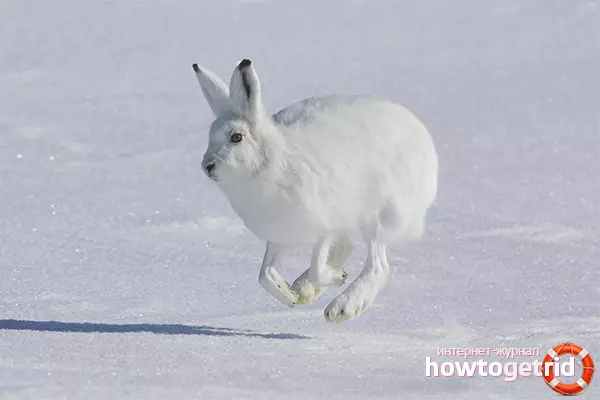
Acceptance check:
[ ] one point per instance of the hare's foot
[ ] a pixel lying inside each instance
(271, 279)
(278, 287)
(327, 275)
(307, 292)
(356, 298)
(340, 249)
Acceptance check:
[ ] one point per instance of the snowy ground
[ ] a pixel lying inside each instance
(125, 275)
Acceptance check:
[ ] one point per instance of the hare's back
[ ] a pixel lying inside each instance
(353, 124)
(358, 146)
(343, 116)
(313, 108)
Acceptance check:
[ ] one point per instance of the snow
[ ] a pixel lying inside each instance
(125, 274)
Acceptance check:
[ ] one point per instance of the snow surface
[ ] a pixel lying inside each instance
(125, 275)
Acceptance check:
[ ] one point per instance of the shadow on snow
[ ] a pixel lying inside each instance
(160, 329)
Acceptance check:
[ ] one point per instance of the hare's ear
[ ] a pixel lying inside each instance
(214, 89)
(244, 95)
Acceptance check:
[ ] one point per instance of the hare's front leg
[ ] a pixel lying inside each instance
(339, 251)
(271, 279)
(320, 273)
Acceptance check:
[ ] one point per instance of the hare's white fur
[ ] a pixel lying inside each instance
(314, 171)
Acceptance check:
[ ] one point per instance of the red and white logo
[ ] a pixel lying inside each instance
(584, 359)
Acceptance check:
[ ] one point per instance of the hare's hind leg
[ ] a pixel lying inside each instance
(339, 250)
(271, 279)
(362, 292)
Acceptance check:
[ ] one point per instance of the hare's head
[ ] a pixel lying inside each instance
(237, 146)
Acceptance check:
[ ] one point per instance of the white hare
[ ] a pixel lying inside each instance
(313, 172)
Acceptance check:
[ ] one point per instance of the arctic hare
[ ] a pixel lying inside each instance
(313, 172)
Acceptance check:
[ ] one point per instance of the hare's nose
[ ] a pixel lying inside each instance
(209, 166)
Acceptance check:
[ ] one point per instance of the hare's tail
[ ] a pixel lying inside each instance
(402, 223)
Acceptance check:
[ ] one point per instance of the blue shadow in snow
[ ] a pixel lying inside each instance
(160, 329)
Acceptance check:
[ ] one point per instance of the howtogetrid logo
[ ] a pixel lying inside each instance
(560, 375)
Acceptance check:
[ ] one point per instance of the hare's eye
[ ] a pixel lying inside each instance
(235, 138)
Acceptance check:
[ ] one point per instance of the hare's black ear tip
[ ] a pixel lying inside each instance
(245, 63)
(196, 68)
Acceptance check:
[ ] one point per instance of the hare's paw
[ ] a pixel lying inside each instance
(358, 297)
(307, 292)
(327, 276)
(278, 287)
(339, 276)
